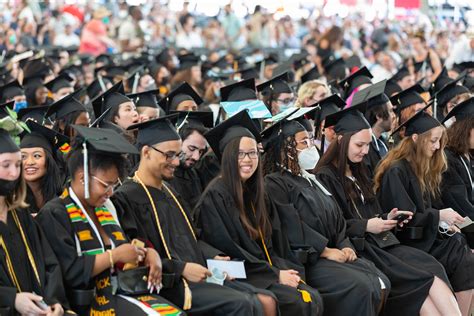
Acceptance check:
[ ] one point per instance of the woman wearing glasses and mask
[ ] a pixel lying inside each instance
(87, 237)
(277, 94)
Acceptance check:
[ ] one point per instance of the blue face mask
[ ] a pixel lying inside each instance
(20, 105)
(286, 106)
(217, 93)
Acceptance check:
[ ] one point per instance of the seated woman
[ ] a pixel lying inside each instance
(408, 179)
(315, 226)
(39, 150)
(449, 96)
(30, 276)
(417, 279)
(86, 236)
(234, 219)
(277, 94)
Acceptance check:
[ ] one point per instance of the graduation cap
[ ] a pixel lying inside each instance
(449, 91)
(330, 105)
(419, 123)
(156, 131)
(43, 137)
(271, 59)
(7, 145)
(104, 141)
(358, 78)
(202, 119)
(105, 59)
(239, 125)
(61, 81)
(283, 127)
(312, 74)
(331, 64)
(111, 98)
(239, 91)
(407, 97)
(187, 61)
(298, 60)
(348, 120)
(3, 108)
(466, 65)
(145, 99)
(164, 56)
(275, 85)
(10, 90)
(442, 80)
(371, 96)
(391, 88)
(36, 113)
(184, 92)
(66, 105)
(401, 73)
(286, 67)
(461, 111)
(97, 87)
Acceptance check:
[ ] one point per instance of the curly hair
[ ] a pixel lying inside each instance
(307, 91)
(281, 155)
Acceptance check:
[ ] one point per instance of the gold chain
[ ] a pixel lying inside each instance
(263, 240)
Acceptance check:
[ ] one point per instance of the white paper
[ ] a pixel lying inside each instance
(235, 269)
(467, 222)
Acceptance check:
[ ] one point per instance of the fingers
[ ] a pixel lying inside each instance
(207, 273)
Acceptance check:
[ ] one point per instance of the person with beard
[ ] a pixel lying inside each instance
(186, 181)
(150, 210)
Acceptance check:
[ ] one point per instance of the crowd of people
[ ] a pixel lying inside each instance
(325, 164)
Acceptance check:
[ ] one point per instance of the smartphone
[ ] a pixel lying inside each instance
(41, 304)
(400, 218)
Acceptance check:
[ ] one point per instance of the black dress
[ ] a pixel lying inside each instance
(207, 168)
(400, 188)
(51, 282)
(313, 220)
(411, 272)
(138, 221)
(187, 183)
(218, 217)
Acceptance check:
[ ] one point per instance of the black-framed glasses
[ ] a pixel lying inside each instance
(170, 155)
(251, 154)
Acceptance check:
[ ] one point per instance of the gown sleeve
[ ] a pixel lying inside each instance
(7, 299)
(77, 270)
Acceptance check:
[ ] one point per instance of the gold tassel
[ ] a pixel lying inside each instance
(188, 296)
(306, 296)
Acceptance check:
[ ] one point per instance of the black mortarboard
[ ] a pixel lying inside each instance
(299, 59)
(407, 97)
(145, 99)
(285, 67)
(10, 90)
(401, 73)
(271, 59)
(96, 87)
(110, 98)
(330, 105)
(66, 105)
(358, 78)
(461, 111)
(194, 118)
(419, 123)
(36, 113)
(187, 61)
(449, 91)
(239, 125)
(43, 137)
(442, 80)
(106, 59)
(114, 70)
(163, 57)
(239, 91)
(348, 120)
(61, 81)
(333, 65)
(312, 74)
(392, 88)
(275, 85)
(371, 96)
(3, 111)
(182, 93)
(283, 127)
(464, 66)
(7, 145)
(156, 131)
(248, 72)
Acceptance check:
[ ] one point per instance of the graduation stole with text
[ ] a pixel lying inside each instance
(104, 301)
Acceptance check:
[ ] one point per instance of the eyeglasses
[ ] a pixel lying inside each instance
(107, 187)
(285, 101)
(307, 141)
(252, 154)
(170, 155)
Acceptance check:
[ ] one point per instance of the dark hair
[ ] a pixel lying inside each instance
(281, 154)
(68, 120)
(30, 94)
(188, 130)
(375, 112)
(458, 135)
(52, 182)
(336, 155)
(249, 195)
(97, 161)
(184, 18)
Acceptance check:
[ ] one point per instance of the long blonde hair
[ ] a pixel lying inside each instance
(307, 91)
(428, 170)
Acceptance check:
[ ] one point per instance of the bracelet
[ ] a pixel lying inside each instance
(111, 258)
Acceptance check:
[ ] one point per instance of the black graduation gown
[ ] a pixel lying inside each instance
(373, 157)
(456, 189)
(218, 218)
(187, 183)
(400, 188)
(313, 220)
(137, 220)
(411, 272)
(207, 168)
(51, 288)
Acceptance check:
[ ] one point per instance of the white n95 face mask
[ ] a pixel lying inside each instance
(308, 158)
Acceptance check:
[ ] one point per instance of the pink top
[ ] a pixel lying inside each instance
(90, 38)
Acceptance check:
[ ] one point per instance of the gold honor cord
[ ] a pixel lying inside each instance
(187, 291)
(31, 259)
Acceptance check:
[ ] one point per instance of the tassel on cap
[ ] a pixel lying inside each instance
(188, 297)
